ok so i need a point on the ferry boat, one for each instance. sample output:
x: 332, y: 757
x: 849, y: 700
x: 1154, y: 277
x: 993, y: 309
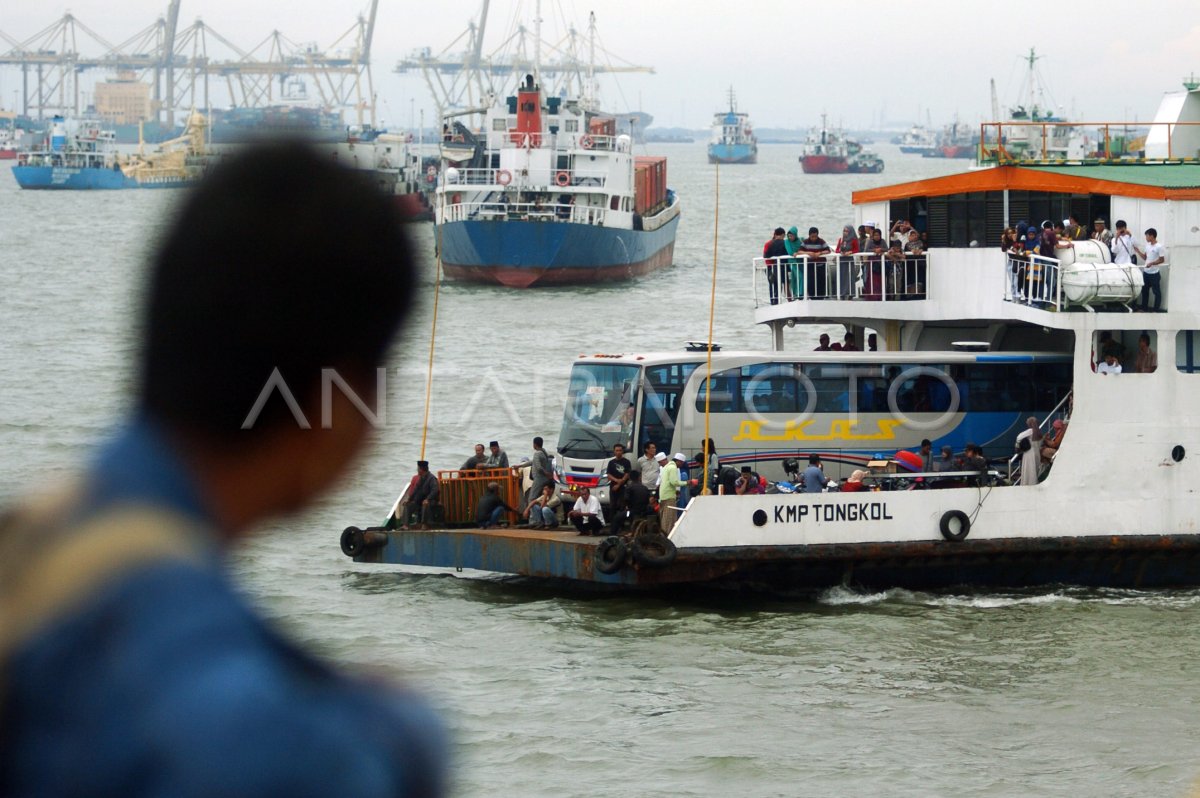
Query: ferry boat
x: 83, y: 156
x: 828, y: 151
x: 550, y: 193
x: 957, y: 140
x: 733, y: 139
x: 970, y: 342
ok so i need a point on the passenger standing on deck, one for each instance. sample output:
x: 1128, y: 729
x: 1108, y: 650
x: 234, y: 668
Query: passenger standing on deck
x: 648, y: 466
x: 422, y: 497
x: 813, y: 477
x: 1147, y: 358
x: 540, y: 470
x: 668, y: 492
x: 824, y: 347
x: 848, y: 344
x: 497, y: 457
x: 1029, y: 444
x: 587, y: 516
x: 816, y: 249
x: 775, y: 251
x: 1154, y: 257
x: 926, y: 455
x: 1109, y: 365
x: 712, y: 468
x: 618, y: 470
x: 1074, y: 230
x: 846, y: 248
x: 132, y: 663
x: 795, y: 274
x: 1122, y: 245
x: 1102, y: 234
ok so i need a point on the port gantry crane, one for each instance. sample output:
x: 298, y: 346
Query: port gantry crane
x: 465, y: 79
x: 181, y: 70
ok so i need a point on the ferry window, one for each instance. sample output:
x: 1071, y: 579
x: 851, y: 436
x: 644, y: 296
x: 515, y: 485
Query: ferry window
x: 831, y: 385
x: 660, y: 404
x: 1187, y: 351
x: 770, y: 388
x: 500, y: 124
x: 724, y: 393
x: 571, y: 126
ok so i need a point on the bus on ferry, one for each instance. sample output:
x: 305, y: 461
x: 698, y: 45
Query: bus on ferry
x: 847, y: 407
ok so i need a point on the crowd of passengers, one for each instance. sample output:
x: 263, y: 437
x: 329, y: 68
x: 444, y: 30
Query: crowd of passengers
x: 862, y: 264
x: 655, y: 486
x: 1026, y: 274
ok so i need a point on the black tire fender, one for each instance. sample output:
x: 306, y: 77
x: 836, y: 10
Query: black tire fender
x: 353, y: 543
x: 610, y: 555
x: 654, y: 550
x: 952, y: 519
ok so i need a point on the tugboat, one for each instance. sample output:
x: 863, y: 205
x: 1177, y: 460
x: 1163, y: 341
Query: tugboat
x: 733, y: 139
x: 550, y: 194
x: 976, y: 350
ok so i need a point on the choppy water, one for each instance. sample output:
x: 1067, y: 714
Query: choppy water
x: 1050, y: 693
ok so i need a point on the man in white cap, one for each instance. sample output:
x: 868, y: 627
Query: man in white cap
x: 668, y: 492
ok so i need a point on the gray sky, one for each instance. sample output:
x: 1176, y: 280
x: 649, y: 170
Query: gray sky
x: 788, y: 62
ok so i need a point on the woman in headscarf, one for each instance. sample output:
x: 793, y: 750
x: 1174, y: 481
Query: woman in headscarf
x: 795, y: 281
x: 846, y: 248
x: 1029, y: 444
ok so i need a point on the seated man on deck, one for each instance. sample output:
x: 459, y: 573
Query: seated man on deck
x: 490, y: 506
x: 542, y: 509
x: 422, y: 497
x: 586, y: 515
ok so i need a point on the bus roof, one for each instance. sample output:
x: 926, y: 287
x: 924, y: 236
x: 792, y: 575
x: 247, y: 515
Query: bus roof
x: 727, y: 357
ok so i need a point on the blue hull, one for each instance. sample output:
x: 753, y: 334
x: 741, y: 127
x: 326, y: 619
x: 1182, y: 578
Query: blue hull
x: 69, y: 178
x: 732, y: 153
x: 518, y: 253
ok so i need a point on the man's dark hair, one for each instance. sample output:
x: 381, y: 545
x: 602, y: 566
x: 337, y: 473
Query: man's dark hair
x: 1150, y: 231
x: 537, y: 441
x: 926, y: 442
x: 814, y: 459
x: 278, y: 259
x: 779, y: 231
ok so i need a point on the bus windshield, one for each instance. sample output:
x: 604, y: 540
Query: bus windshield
x: 601, y: 403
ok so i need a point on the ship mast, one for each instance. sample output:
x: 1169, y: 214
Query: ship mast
x: 537, y: 43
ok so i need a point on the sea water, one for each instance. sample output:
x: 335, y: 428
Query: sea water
x: 1053, y: 692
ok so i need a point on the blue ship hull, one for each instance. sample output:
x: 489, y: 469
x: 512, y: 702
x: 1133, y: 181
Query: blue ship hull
x: 732, y: 153
x: 518, y: 253
x: 71, y: 178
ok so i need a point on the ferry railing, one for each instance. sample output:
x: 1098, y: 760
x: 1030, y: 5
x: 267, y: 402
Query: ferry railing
x: 460, y: 492
x: 560, y: 178
x: 1033, y: 280
x: 997, y: 142
x: 861, y: 276
x: 522, y: 211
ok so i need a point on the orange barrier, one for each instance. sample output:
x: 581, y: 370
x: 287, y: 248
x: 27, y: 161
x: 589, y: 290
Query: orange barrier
x: 460, y: 492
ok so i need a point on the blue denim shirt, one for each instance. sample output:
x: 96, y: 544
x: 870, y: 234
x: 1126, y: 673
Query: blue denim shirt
x: 165, y: 683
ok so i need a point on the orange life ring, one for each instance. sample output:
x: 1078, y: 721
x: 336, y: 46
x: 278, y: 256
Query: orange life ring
x: 457, y: 198
x: 585, y: 141
x: 504, y: 177
x: 562, y: 179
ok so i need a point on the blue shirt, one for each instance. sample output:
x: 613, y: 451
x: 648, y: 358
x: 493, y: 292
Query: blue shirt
x: 814, y: 479
x: 163, y: 682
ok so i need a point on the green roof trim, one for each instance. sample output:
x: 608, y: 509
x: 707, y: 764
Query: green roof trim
x: 1139, y: 174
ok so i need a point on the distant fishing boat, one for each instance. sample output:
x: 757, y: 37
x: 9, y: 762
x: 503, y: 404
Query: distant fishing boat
x: 733, y: 139
x: 549, y: 193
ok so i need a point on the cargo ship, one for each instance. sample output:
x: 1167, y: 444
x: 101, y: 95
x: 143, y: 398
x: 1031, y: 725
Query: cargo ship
x: 829, y: 152
x: 549, y: 193
x: 977, y: 350
x: 733, y: 139
x: 82, y: 156
x: 393, y: 163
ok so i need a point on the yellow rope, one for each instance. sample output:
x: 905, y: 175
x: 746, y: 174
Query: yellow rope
x: 712, y: 308
x: 437, y: 284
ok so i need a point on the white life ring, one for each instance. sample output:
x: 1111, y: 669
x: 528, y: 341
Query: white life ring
x: 585, y: 141
x: 504, y: 177
x: 562, y: 179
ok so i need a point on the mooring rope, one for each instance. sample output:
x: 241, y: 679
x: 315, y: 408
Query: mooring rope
x: 712, y: 307
x: 437, y: 284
